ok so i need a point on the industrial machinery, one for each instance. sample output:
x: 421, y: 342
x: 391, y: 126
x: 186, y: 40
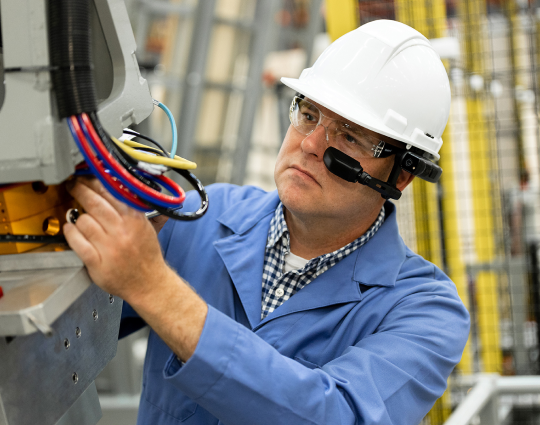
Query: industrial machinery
x: 65, y: 92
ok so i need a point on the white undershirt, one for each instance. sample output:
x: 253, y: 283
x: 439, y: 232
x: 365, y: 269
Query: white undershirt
x: 294, y: 262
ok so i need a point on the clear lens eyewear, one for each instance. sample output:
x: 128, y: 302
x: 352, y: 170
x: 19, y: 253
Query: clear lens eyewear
x: 350, y: 139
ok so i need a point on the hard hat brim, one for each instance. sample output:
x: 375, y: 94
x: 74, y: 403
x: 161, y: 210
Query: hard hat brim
x: 353, y: 111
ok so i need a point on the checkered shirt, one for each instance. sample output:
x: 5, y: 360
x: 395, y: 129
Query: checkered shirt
x: 278, y: 246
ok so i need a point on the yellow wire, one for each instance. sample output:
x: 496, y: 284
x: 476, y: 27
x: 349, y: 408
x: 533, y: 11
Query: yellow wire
x: 178, y: 162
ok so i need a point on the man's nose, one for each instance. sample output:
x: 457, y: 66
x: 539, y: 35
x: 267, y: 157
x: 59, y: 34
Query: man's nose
x: 317, y: 142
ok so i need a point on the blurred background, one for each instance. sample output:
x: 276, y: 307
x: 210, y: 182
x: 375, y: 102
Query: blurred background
x: 217, y: 64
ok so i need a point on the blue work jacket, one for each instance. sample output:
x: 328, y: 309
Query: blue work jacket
x: 370, y: 341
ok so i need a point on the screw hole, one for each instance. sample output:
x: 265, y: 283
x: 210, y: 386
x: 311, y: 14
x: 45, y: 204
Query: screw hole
x: 75, y: 378
x: 95, y: 315
x: 51, y: 226
x: 78, y: 332
x: 39, y: 187
x: 111, y: 298
x: 66, y: 343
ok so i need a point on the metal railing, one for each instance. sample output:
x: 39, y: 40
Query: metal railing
x: 482, y: 404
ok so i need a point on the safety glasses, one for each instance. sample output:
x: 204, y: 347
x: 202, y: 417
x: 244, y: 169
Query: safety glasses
x: 350, y: 139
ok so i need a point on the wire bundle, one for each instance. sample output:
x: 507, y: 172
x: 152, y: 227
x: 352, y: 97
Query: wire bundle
x: 129, y: 179
x: 125, y: 186
x: 132, y: 172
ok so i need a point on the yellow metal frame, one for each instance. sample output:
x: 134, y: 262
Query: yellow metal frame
x: 341, y: 17
x: 473, y: 12
x: 24, y: 210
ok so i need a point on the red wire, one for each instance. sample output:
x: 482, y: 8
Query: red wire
x: 98, y: 144
x: 115, y: 183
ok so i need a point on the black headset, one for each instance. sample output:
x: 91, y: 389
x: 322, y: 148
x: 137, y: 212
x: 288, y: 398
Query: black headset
x: 349, y: 169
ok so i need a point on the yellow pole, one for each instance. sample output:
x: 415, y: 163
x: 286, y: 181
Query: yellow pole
x: 341, y: 17
x: 452, y: 241
x: 473, y: 13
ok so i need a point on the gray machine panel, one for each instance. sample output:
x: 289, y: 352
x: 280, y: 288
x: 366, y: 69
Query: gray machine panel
x: 35, y: 144
x: 42, y: 377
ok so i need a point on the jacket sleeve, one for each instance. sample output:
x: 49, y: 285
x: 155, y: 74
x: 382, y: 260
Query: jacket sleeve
x: 390, y: 377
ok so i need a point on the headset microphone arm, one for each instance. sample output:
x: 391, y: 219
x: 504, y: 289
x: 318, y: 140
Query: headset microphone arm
x: 350, y: 170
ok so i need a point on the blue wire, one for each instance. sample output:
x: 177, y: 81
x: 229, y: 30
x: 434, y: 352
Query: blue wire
x: 83, y: 173
x: 130, y: 186
x: 147, y: 198
x: 111, y: 189
x: 173, y: 127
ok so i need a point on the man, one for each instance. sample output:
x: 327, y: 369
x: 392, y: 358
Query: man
x: 310, y: 309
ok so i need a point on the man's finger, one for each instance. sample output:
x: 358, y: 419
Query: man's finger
x: 94, y: 184
x: 91, y: 229
x: 83, y: 248
x: 97, y: 206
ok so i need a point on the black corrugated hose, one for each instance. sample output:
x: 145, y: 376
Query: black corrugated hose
x: 70, y: 51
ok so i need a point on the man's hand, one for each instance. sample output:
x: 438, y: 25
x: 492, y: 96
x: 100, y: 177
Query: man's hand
x: 116, y: 243
x: 120, y: 249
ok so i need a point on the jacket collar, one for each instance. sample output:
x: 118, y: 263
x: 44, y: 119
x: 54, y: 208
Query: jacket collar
x: 377, y: 263
x: 242, y: 216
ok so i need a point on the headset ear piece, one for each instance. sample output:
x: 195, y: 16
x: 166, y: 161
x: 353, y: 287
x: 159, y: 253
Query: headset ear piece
x: 421, y: 167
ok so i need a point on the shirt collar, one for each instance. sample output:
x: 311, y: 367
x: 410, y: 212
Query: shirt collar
x: 278, y: 226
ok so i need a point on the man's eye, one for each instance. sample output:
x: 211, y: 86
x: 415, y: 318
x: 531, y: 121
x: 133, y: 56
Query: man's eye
x: 309, y: 117
x: 351, y: 139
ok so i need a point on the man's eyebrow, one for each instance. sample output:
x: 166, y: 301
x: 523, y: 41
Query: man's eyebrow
x: 310, y: 106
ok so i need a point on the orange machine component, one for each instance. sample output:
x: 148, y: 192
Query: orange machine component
x: 33, y: 209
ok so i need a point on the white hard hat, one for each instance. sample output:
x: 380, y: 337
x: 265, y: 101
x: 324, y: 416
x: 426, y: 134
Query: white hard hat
x: 386, y: 77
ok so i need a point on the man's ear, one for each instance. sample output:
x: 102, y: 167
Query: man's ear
x: 404, y: 180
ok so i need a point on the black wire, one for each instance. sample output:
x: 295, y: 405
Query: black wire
x: 33, y: 238
x: 197, y: 185
x: 129, y: 163
x: 134, y: 133
x: 123, y: 158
